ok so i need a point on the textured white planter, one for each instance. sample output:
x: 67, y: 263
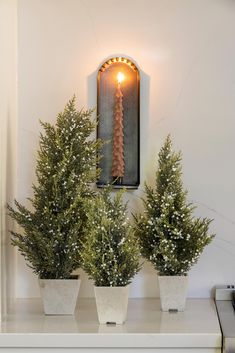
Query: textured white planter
x: 173, y: 292
x: 59, y: 295
x: 111, y: 303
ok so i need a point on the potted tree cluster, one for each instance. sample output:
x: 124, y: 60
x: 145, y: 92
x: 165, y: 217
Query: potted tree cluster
x: 53, y: 228
x: 170, y: 237
x: 110, y: 255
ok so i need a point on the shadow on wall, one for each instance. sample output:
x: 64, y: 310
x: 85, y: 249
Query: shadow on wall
x: 8, y: 252
x: 144, y: 284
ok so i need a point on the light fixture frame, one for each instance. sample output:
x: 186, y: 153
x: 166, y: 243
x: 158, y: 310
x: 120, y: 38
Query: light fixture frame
x: 123, y: 60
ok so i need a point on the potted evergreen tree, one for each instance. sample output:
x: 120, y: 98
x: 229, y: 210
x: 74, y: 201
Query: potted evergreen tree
x: 53, y: 228
x: 170, y: 237
x: 110, y: 255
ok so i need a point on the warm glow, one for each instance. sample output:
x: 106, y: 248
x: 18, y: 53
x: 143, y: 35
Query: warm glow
x: 120, y: 77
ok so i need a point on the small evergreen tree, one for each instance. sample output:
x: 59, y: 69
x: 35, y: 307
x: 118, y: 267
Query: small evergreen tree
x: 110, y: 253
x: 66, y: 167
x: 170, y: 237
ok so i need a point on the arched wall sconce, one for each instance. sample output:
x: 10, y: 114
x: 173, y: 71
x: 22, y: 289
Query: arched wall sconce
x: 118, y: 105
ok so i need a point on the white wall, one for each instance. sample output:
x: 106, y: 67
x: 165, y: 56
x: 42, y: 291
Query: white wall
x: 185, y: 50
x: 8, y: 136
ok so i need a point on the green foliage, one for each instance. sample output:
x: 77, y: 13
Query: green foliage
x: 111, y: 253
x: 66, y: 167
x: 170, y: 237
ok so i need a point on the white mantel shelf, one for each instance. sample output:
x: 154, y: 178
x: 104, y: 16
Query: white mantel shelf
x: 146, y: 327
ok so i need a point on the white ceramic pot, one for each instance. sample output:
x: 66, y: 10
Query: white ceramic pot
x: 173, y: 292
x: 59, y: 295
x: 111, y: 303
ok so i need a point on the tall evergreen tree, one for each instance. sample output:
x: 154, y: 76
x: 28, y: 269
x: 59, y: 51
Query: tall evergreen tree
x: 66, y: 167
x: 170, y: 237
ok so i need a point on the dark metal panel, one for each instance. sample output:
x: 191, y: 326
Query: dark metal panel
x: 107, y: 84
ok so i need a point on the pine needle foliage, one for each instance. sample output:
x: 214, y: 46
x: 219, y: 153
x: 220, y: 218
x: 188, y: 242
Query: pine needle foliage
x: 170, y: 237
x: 53, y: 232
x: 111, y: 253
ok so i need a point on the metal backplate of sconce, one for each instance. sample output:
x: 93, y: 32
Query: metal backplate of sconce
x: 118, y: 105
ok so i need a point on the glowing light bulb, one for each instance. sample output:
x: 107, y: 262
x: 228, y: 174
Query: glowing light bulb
x: 120, y: 77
